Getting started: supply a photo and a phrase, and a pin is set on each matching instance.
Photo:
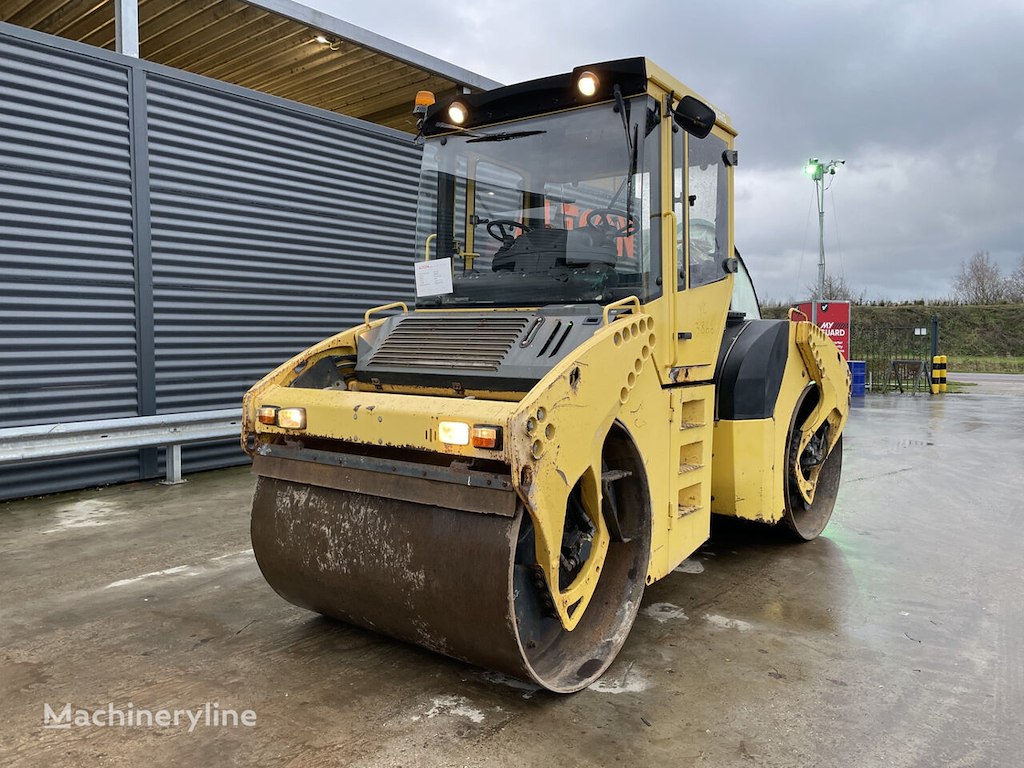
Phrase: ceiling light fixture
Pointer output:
(325, 40)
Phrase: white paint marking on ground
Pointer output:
(222, 561)
(628, 682)
(87, 513)
(511, 682)
(689, 566)
(183, 569)
(455, 706)
(662, 612)
(633, 685)
(724, 622)
(242, 553)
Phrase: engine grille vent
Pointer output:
(478, 344)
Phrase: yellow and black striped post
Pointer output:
(938, 374)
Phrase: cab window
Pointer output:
(708, 209)
(679, 207)
(744, 298)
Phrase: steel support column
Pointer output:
(126, 27)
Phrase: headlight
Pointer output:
(291, 418)
(457, 112)
(453, 432)
(587, 83)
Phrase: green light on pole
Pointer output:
(813, 168)
(817, 171)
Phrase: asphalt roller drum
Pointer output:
(806, 521)
(459, 583)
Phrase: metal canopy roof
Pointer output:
(270, 46)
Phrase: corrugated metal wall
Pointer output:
(166, 239)
(279, 227)
(68, 338)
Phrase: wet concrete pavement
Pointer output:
(991, 383)
(894, 640)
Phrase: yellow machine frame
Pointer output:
(634, 372)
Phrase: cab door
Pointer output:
(702, 204)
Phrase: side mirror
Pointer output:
(694, 116)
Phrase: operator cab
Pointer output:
(555, 211)
(528, 209)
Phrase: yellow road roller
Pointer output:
(498, 471)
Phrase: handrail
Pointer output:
(621, 303)
(81, 438)
(384, 307)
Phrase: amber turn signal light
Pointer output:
(486, 436)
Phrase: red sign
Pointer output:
(834, 320)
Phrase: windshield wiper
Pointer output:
(628, 181)
(620, 107)
(507, 136)
(631, 147)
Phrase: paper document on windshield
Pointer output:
(434, 278)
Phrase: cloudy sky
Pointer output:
(924, 100)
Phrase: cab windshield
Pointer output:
(554, 209)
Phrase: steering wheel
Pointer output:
(601, 218)
(496, 228)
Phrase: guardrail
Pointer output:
(19, 445)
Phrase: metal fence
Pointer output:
(21, 445)
(898, 358)
(165, 239)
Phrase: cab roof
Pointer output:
(556, 93)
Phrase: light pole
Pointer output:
(818, 170)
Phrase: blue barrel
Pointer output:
(858, 371)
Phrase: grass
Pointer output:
(990, 336)
(959, 387)
(952, 388)
(977, 339)
(986, 364)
